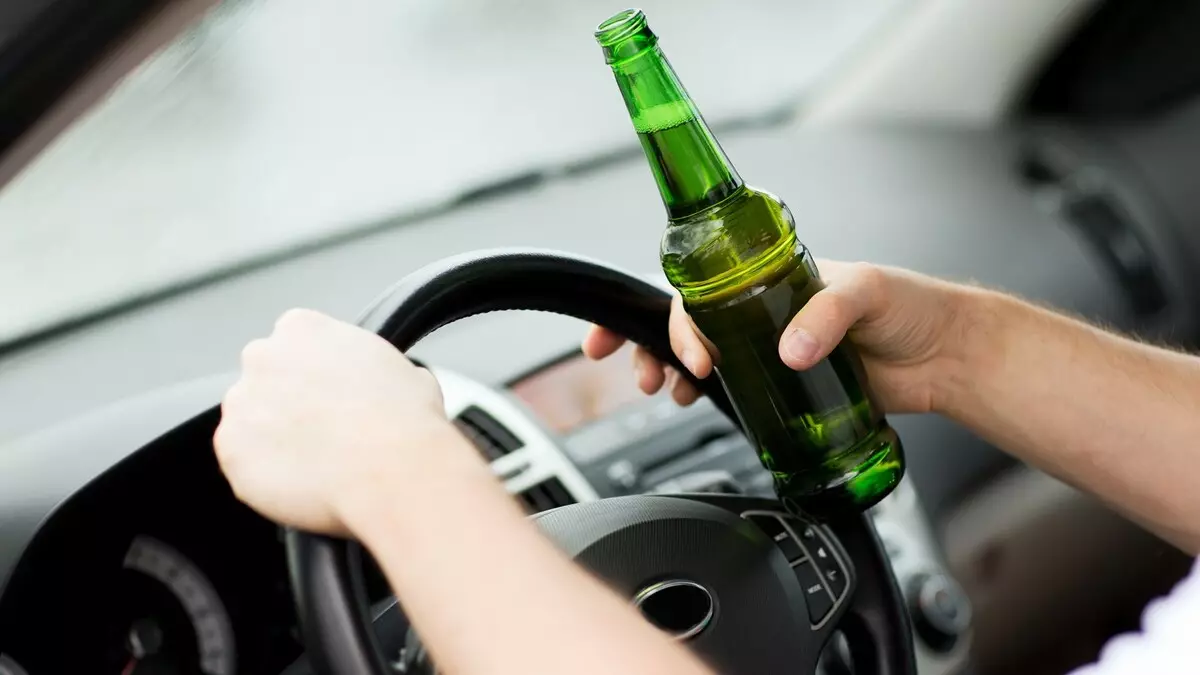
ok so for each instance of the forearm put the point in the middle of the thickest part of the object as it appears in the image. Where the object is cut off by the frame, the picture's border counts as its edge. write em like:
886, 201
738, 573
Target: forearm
1110, 415
487, 592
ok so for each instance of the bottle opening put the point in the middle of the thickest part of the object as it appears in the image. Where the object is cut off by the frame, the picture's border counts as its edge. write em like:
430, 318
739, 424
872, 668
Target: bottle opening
620, 26
624, 34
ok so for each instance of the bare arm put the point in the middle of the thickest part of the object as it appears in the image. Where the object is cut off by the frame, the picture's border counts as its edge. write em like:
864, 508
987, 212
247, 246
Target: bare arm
1110, 415
1107, 414
487, 592
330, 429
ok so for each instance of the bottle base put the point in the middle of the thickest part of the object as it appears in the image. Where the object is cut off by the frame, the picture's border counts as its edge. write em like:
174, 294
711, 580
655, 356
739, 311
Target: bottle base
863, 476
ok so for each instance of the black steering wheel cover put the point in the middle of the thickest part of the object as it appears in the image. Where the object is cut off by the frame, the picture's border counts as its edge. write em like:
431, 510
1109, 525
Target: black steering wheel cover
331, 604
877, 625
326, 581
522, 279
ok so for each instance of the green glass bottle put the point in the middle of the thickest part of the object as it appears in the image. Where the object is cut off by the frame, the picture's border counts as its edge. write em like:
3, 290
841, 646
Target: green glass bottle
732, 252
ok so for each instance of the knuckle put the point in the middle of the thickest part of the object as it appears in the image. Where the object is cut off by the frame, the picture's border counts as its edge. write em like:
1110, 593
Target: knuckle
256, 353
297, 317
222, 445
238, 487
233, 398
868, 279
837, 308
433, 387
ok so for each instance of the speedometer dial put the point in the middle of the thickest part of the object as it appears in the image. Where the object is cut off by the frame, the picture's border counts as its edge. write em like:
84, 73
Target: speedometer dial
187, 629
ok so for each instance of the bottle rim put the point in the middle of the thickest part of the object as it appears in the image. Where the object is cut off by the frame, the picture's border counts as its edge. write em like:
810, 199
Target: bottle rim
620, 26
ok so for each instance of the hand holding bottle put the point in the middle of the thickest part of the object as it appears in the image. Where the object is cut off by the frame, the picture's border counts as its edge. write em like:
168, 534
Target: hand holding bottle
907, 327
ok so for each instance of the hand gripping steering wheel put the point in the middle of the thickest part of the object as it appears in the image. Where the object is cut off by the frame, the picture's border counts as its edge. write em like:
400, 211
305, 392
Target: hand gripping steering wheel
750, 588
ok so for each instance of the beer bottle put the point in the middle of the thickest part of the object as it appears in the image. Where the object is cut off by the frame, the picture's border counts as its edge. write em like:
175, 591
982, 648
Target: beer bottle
732, 252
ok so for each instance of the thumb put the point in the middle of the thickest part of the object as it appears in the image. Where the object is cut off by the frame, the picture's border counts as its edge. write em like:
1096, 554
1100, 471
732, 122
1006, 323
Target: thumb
823, 322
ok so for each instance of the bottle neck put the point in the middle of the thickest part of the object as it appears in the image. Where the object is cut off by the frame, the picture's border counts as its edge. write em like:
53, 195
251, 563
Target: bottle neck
688, 164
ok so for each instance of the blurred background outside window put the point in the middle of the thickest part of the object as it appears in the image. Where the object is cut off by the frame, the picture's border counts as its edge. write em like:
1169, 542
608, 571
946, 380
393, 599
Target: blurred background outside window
273, 123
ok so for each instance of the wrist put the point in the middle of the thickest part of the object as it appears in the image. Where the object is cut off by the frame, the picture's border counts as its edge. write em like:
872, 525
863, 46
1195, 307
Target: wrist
423, 468
973, 344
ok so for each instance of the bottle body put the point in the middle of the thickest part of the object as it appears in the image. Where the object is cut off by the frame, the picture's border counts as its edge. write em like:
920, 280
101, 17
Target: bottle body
732, 252
743, 275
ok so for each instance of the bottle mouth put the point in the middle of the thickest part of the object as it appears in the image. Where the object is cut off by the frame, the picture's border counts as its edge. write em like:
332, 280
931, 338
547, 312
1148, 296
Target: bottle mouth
624, 34
620, 26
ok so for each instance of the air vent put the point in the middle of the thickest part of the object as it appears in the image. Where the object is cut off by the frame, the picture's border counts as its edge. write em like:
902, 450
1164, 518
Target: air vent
1118, 242
488, 434
548, 494
1081, 196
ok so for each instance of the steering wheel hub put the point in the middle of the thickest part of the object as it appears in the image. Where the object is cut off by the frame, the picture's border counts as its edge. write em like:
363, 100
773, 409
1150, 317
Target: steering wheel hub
678, 607
721, 581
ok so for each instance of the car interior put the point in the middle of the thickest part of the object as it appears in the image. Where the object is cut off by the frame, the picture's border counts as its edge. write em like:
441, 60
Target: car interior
1047, 148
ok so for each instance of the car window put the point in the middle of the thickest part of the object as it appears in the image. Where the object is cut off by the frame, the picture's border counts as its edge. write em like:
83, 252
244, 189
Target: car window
272, 123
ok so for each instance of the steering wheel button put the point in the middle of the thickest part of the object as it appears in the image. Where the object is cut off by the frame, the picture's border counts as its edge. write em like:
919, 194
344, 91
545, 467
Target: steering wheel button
818, 599
791, 550
802, 529
772, 526
835, 579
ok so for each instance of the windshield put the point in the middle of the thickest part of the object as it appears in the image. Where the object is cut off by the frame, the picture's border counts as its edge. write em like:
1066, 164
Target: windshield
271, 124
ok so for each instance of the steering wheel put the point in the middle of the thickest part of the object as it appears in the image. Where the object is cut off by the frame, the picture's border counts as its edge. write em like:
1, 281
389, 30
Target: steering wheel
749, 587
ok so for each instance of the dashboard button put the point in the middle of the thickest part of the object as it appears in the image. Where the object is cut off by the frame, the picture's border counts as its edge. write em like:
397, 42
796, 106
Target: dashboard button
892, 548
623, 475
940, 610
819, 602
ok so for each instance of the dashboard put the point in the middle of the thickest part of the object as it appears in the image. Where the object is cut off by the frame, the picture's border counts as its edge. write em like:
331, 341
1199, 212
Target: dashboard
152, 565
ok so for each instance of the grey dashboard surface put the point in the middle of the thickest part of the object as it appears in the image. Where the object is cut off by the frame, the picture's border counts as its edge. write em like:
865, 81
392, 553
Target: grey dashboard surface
942, 201
1163, 157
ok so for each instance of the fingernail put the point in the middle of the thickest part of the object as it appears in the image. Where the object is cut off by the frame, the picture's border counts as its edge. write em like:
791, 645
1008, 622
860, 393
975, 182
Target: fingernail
800, 347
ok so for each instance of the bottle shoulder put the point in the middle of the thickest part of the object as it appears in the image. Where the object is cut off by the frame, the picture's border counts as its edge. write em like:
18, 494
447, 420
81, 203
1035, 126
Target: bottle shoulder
719, 251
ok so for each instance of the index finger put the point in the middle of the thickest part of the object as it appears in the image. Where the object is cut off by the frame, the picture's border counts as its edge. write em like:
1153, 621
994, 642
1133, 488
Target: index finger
601, 342
687, 343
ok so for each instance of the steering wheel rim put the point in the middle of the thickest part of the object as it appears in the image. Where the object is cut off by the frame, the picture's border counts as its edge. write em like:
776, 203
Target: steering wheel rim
326, 572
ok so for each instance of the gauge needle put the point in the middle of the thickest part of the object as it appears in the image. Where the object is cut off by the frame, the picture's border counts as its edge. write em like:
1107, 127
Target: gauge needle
144, 640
